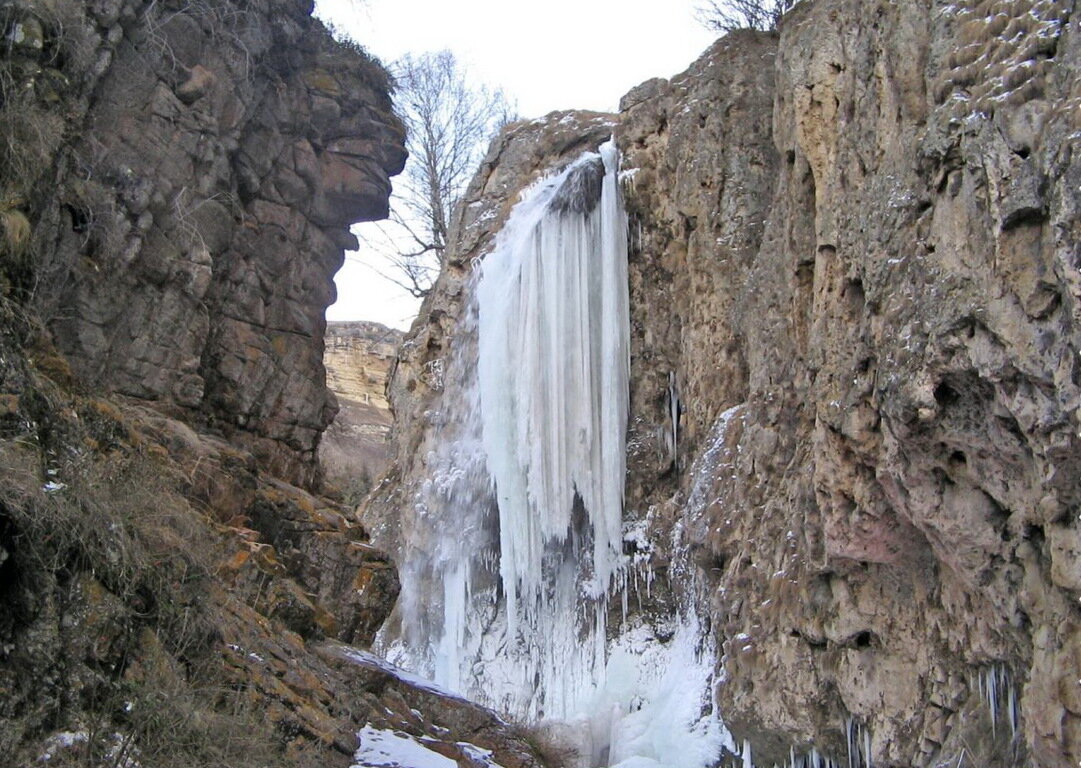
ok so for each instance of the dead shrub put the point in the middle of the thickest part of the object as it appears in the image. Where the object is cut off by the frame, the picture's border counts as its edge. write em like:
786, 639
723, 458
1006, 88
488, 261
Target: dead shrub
553, 748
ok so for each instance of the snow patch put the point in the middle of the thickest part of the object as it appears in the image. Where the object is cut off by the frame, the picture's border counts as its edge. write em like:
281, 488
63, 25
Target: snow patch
389, 749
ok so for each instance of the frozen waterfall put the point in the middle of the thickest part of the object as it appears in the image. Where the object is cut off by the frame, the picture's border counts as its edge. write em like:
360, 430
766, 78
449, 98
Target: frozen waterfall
513, 550
553, 372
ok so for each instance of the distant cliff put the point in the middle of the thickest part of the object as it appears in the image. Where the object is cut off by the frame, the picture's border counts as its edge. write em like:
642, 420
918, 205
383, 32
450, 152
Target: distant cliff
355, 450
854, 396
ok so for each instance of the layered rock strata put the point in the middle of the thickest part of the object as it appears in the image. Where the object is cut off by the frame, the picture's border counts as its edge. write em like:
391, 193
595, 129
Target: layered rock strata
853, 301
355, 449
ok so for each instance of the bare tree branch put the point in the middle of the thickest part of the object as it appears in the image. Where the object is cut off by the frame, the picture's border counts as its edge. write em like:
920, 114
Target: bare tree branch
449, 122
729, 15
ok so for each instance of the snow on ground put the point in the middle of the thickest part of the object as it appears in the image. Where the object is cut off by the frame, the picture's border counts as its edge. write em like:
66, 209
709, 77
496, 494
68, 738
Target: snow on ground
380, 748
371, 661
388, 749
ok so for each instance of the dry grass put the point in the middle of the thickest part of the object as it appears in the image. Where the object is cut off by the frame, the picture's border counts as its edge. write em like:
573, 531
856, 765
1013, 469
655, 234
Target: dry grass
16, 233
102, 541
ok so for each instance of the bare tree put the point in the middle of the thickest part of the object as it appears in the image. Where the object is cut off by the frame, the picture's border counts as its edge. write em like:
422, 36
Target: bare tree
729, 15
449, 122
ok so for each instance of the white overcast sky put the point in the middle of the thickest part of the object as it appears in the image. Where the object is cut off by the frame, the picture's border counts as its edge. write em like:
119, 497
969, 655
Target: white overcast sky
545, 54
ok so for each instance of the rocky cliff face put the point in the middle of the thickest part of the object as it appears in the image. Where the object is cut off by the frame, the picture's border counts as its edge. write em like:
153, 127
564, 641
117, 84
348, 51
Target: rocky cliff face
355, 449
854, 282
195, 169
178, 179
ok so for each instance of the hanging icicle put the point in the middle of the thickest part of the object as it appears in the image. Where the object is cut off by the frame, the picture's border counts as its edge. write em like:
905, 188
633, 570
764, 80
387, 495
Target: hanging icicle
516, 540
675, 409
553, 371
999, 694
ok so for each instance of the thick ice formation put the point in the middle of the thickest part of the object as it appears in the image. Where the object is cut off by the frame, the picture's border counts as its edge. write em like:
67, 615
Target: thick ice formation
514, 548
553, 371
652, 701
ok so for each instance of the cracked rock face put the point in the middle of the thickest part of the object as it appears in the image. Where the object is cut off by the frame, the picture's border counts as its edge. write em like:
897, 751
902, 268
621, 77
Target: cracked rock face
854, 275
223, 151
881, 281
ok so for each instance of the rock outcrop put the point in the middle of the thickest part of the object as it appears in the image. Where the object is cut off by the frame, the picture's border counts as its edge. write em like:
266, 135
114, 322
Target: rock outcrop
178, 179
190, 181
854, 284
887, 525
355, 448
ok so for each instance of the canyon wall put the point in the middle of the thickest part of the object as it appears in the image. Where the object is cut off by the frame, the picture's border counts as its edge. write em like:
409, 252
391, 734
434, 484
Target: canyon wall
177, 182
854, 389
190, 172
355, 449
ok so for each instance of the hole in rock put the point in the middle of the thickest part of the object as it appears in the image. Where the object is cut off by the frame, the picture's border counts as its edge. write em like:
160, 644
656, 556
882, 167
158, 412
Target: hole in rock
1034, 534
853, 293
712, 561
945, 394
80, 219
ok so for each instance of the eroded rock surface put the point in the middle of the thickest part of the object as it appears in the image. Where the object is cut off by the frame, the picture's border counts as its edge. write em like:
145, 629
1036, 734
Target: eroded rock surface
854, 284
186, 238
896, 335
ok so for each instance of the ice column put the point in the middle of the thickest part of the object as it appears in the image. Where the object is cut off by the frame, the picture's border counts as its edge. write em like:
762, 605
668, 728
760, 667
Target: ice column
553, 375
515, 536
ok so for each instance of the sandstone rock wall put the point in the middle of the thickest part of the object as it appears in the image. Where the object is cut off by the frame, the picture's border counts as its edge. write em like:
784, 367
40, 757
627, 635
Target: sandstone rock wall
194, 204
854, 283
355, 448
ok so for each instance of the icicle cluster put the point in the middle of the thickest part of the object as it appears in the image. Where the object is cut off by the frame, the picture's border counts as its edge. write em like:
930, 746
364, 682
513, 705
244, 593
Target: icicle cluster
515, 538
858, 742
857, 745
999, 694
810, 760
514, 544
553, 371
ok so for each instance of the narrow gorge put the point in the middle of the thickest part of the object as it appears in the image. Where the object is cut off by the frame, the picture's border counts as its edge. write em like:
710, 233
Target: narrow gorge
740, 428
